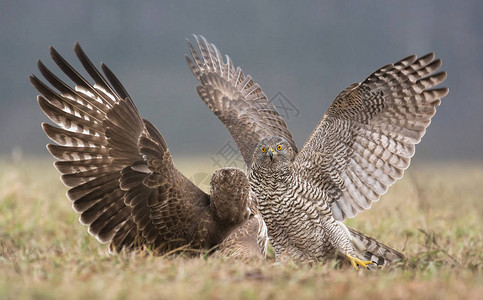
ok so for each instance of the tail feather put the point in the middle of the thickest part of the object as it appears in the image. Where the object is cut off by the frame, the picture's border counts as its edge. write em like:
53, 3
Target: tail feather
374, 250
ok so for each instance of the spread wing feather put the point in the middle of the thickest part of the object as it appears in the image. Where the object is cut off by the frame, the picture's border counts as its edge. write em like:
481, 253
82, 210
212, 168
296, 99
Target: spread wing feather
235, 99
366, 139
118, 167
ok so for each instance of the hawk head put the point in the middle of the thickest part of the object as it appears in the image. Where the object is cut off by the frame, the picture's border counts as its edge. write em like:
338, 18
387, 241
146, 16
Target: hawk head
272, 151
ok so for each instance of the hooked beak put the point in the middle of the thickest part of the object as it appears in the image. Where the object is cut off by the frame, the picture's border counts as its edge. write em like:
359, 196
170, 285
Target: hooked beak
270, 153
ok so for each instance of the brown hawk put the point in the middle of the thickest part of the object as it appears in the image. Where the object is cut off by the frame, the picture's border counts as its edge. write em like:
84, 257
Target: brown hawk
122, 178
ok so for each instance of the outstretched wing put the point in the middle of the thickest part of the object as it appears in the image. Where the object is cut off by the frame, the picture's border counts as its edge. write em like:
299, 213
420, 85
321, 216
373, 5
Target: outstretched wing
118, 167
366, 139
235, 99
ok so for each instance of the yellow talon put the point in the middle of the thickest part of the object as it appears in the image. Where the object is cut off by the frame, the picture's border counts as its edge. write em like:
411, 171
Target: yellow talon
357, 262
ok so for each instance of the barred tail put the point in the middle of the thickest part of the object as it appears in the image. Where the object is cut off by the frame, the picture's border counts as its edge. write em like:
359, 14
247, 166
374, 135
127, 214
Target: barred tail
373, 250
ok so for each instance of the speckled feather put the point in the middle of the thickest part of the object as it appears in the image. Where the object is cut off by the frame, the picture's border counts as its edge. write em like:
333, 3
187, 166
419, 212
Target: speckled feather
360, 147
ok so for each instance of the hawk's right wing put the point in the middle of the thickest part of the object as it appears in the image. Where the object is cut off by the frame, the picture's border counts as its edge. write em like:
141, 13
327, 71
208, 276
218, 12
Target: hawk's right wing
235, 99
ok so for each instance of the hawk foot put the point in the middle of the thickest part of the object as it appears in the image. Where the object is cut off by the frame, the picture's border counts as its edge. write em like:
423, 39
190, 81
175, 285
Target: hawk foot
357, 262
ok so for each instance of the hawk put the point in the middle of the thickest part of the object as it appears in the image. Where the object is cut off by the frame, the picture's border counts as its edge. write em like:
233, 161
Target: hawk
122, 178
360, 147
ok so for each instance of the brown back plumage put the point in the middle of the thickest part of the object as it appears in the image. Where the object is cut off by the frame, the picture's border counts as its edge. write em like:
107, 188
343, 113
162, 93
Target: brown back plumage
120, 172
242, 243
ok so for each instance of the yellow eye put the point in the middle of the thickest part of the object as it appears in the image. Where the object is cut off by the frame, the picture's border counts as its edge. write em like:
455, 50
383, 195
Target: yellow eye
279, 147
263, 149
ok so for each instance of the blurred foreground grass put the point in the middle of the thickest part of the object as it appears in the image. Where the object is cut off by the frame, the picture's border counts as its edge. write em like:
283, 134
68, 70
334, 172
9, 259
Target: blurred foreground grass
433, 215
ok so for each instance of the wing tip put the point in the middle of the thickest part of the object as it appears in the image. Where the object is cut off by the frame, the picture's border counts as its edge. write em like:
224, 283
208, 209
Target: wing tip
429, 56
53, 53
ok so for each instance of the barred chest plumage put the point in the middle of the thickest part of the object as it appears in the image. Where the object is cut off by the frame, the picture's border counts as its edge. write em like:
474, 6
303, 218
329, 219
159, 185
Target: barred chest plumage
283, 187
269, 184
287, 206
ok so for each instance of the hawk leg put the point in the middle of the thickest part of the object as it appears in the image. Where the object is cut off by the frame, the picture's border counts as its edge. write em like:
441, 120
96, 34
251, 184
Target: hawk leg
355, 262
340, 237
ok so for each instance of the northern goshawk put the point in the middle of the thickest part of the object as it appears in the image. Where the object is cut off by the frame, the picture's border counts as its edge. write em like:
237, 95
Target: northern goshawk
360, 147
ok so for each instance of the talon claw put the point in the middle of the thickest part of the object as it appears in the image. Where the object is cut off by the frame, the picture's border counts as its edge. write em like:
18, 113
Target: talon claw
357, 262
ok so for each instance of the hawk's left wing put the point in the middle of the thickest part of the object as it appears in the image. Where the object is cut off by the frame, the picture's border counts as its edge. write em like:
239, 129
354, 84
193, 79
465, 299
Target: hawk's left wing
118, 167
366, 139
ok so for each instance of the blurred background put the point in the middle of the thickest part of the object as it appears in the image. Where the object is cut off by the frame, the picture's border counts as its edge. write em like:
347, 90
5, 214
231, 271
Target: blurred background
301, 54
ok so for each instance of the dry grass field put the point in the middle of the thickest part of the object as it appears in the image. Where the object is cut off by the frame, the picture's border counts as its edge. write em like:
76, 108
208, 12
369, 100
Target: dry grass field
433, 215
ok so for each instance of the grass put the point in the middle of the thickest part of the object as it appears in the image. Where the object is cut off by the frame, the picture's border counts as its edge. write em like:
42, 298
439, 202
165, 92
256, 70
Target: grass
433, 215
